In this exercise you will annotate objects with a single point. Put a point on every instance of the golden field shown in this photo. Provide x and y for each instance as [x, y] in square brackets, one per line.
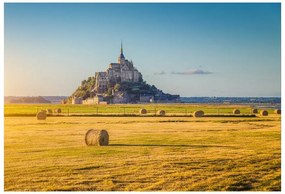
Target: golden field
[145, 154]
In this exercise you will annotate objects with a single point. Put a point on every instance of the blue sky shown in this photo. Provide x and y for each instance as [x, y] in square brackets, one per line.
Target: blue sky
[188, 49]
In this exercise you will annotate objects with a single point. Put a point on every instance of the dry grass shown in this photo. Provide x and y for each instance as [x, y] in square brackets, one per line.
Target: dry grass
[144, 154]
[121, 109]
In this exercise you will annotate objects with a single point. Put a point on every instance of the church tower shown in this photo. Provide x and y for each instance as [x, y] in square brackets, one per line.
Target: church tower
[121, 58]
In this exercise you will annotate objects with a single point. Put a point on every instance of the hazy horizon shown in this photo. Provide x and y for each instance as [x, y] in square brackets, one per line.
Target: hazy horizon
[190, 49]
[180, 96]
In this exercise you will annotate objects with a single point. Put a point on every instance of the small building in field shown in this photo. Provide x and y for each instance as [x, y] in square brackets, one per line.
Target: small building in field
[98, 99]
[76, 100]
[146, 98]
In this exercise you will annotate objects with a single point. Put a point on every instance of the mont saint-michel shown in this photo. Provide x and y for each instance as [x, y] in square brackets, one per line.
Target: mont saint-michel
[120, 83]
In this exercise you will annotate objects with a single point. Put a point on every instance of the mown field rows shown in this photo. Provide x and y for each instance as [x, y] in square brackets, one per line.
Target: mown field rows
[145, 154]
[171, 109]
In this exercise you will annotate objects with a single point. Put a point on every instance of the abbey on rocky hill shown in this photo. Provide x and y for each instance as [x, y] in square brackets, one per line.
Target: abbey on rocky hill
[120, 83]
[123, 71]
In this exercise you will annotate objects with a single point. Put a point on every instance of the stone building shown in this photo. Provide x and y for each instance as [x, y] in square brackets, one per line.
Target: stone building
[76, 100]
[146, 98]
[98, 99]
[101, 82]
[122, 71]
[120, 98]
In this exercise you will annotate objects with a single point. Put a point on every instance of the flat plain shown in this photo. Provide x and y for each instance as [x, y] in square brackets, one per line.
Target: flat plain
[145, 153]
[123, 109]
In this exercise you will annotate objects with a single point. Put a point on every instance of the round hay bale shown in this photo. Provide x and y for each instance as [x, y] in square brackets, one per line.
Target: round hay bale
[254, 111]
[49, 111]
[143, 111]
[41, 115]
[58, 110]
[97, 138]
[277, 111]
[198, 113]
[264, 113]
[236, 111]
[161, 113]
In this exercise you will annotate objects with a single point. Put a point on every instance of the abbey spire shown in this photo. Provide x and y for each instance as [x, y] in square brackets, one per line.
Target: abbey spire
[121, 47]
[121, 58]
